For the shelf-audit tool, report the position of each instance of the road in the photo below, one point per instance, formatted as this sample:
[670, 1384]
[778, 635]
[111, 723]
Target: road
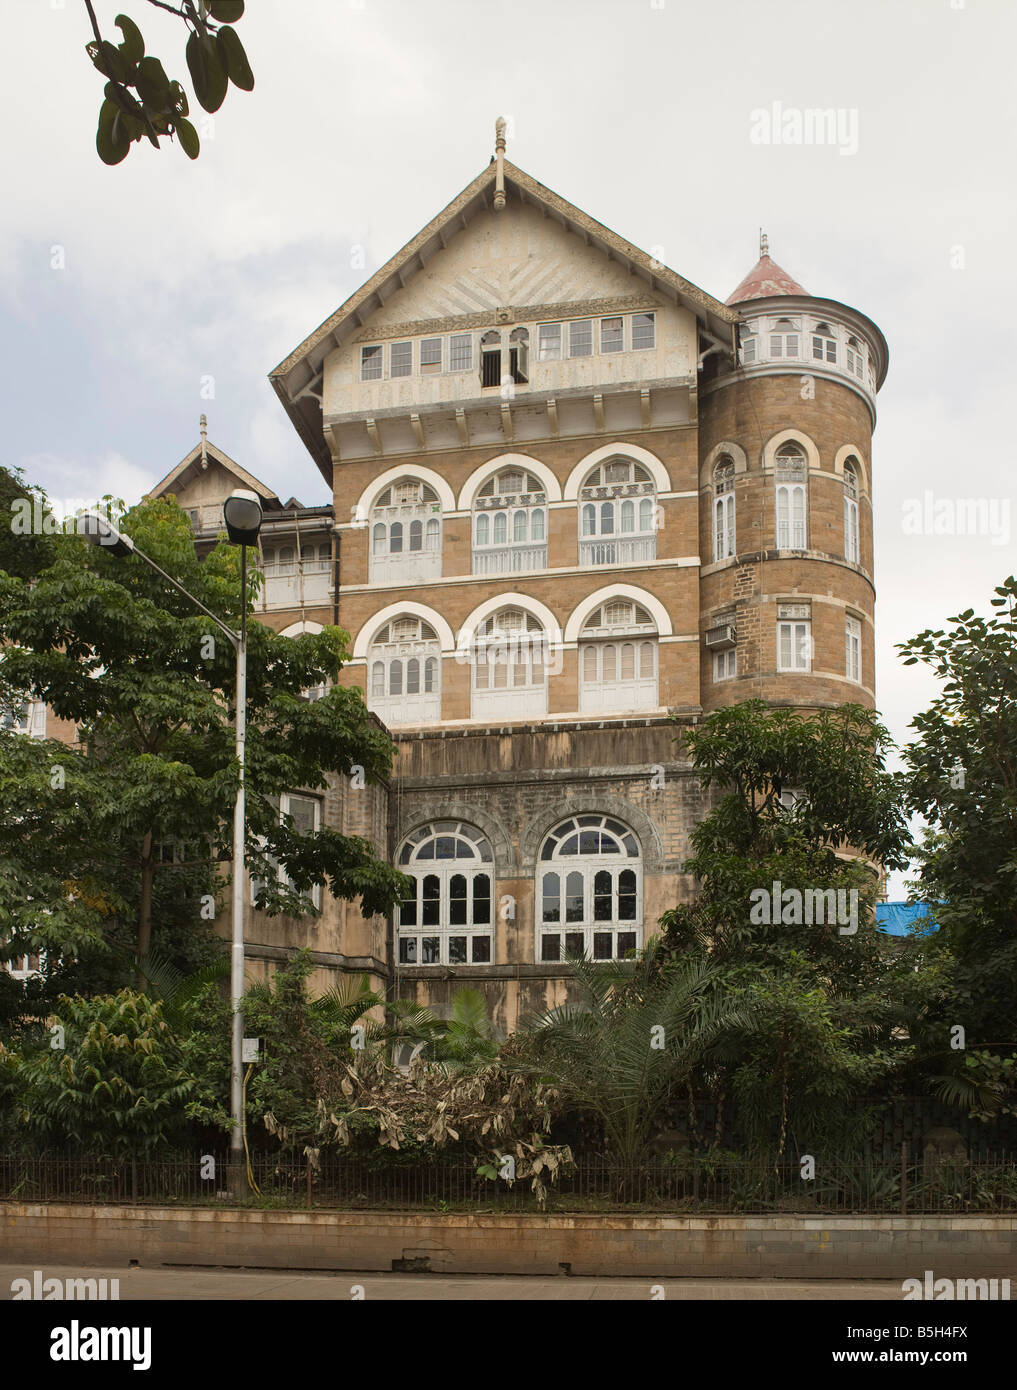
[232, 1284]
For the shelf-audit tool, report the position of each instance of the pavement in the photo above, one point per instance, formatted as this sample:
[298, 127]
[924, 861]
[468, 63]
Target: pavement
[211, 1285]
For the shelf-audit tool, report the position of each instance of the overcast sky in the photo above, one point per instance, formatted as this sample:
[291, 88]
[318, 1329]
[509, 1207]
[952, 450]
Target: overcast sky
[368, 116]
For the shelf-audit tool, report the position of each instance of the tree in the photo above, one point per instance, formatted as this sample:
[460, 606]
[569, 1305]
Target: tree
[825, 995]
[629, 1046]
[98, 838]
[962, 777]
[141, 102]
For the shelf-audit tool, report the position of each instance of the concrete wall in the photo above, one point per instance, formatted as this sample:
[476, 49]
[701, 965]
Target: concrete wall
[653, 1247]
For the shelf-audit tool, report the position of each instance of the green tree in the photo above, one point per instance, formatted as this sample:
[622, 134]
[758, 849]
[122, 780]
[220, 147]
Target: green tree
[829, 1000]
[962, 778]
[140, 101]
[97, 840]
[110, 1082]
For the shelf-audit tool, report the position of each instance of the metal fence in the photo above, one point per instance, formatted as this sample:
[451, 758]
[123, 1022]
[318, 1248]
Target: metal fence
[982, 1184]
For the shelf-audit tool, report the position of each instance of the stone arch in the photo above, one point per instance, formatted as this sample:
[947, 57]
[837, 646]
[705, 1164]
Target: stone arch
[297, 629]
[395, 610]
[786, 436]
[510, 599]
[471, 487]
[848, 451]
[585, 607]
[635, 452]
[593, 803]
[422, 812]
[385, 480]
[734, 452]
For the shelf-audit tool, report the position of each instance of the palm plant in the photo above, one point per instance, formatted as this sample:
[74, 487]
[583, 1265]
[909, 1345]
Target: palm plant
[463, 1042]
[629, 1046]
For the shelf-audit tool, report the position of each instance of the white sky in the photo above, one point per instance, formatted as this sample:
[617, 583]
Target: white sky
[368, 116]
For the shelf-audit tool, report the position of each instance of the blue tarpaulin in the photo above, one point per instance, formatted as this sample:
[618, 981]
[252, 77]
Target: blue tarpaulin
[898, 919]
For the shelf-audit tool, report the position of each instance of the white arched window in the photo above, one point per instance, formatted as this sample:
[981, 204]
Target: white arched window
[405, 527]
[792, 509]
[618, 659]
[855, 357]
[509, 657]
[618, 515]
[404, 672]
[723, 509]
[447, 919]
[824, 344]
[589, 890]
[510, 524]
[784, 338]
[851, 510]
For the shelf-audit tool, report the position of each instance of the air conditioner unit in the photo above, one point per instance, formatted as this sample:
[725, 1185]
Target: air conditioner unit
[721, 637]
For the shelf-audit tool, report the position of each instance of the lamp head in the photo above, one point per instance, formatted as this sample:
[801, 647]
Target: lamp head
[242, 514]
[99, 530]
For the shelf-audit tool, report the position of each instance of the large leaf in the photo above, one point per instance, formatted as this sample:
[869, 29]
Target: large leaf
[207, 71]
[226, 11]
[133, 46]
[111, 138]
[234, 59]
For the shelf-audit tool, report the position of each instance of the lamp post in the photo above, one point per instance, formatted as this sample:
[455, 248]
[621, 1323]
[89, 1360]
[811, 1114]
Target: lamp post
[242, 514]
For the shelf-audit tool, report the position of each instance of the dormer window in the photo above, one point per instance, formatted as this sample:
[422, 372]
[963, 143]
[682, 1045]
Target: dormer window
[784, 339]
[824, 345]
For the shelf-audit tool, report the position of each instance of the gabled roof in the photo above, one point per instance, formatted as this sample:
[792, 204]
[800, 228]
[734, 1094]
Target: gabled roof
[189, 468]
[296, 380]
[763, 281]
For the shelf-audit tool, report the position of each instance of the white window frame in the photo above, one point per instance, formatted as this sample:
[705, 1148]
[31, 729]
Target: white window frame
[619, 346]
[626, 931]
[853, 649]
[377, 355]
[851, 551]
[391, 672]
[580, 338]
[286, 800]
[403, 368]
[472, 859]
[523, 654]
[794, 645]
[643, 330]
[550, 342]
[725, 664]
[455, 354]
[434, 366]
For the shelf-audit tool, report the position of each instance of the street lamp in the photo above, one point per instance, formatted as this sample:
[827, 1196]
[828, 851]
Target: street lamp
[242, 515]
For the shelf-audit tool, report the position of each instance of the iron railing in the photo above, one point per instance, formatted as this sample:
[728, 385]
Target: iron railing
[690, 1185]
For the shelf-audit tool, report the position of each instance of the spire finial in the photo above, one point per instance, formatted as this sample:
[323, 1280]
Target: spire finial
[203, 426]
[764, 244]
[499, 154]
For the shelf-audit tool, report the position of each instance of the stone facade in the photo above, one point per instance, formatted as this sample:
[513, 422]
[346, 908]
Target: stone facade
[424, 398]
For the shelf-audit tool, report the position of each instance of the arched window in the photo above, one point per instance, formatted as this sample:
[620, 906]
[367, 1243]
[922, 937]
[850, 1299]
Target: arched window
[404, 672]
[851, 510]
[824, 345]
[448, 917]
[406, 534]
[723, 509]
[784, 339]
[618, 659]
[509, 524]
[792, 510]
[519, 354]
[589, 890]
[855, 357]
[617, 509]
[509, 658]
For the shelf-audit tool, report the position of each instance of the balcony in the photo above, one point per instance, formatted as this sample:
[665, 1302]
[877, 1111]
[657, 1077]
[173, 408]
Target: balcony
[295, 586]
[617, 550]
[509, 559]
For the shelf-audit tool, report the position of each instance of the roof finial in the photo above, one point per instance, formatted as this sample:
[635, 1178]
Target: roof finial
[203, 425]
[499, 153]
[764, 244]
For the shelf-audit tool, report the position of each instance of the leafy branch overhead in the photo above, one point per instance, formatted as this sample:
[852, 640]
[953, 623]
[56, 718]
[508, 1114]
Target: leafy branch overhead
[141, 102]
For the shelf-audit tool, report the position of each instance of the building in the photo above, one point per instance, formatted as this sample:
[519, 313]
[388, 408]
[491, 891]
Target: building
[575, 499]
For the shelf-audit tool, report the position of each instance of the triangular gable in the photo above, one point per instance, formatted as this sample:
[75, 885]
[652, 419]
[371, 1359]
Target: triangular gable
[188, 468]
[297, 380]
